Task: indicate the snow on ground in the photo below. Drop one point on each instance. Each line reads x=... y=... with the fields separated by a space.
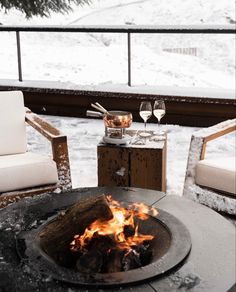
x=84 y=135
x=90 y=59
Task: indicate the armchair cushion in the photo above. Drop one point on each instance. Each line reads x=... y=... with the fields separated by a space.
x=218 y=174
x=26 y=170
x=12 y=121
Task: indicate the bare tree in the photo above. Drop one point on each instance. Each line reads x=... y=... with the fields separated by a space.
x=40 y=7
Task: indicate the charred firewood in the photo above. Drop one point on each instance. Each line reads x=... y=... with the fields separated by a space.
x=131 y=260
x=129 y=230
x=55 y=238
x=114 y=261
x=90 y=262
x=102 y=243
x=146 y=257
x=145 y=253
x=69 y=258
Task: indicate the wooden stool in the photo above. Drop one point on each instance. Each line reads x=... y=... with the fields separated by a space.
x=142 y=166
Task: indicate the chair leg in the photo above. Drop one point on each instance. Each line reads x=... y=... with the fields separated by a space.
x=61 y=157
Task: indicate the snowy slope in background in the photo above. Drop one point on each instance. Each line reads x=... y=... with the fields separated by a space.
x=137 y=12
x=101 y=58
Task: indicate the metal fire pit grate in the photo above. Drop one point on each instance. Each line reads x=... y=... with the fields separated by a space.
x=171 y=245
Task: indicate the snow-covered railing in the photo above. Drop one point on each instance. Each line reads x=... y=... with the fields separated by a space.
x=127 y=29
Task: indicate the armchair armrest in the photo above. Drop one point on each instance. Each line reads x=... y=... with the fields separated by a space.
x=59 y=147
x=43 y=127
x=197 y=147
x=214 y=132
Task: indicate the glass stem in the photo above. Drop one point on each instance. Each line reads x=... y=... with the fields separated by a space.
x=145 y=123
x=159 y=122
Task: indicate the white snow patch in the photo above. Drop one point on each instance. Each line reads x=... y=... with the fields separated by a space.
x=212 y=199
x=84 y=135
x=121 y=171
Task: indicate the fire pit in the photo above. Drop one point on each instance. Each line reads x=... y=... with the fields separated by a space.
x=212 y=251
x=148 y=244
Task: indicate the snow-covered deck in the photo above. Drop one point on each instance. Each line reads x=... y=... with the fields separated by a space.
x=176 y=91
x=84 y=134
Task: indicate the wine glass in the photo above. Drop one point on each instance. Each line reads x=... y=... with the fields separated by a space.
x=159 y=110
x=145 y=112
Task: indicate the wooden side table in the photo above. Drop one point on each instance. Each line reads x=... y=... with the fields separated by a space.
x=142 y=166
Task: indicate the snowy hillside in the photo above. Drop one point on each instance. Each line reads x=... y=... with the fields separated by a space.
x=86 y=58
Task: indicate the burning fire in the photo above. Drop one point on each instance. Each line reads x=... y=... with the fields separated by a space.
x=121 y=227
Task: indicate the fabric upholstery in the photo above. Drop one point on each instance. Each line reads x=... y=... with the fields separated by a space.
x=26 y=170
x=12 y=121
x=218 y=174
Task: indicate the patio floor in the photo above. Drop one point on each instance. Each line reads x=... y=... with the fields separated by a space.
x=84 y=135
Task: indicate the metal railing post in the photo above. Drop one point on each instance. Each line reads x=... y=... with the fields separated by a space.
x=129 y=58
x=19 y=55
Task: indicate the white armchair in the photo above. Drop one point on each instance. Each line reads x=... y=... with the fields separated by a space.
x=23 y=173
x=211 y=182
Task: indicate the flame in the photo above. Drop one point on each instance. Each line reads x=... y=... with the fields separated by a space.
x=122 y=218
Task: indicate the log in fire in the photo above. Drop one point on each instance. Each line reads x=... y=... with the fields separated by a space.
x=99 y=235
